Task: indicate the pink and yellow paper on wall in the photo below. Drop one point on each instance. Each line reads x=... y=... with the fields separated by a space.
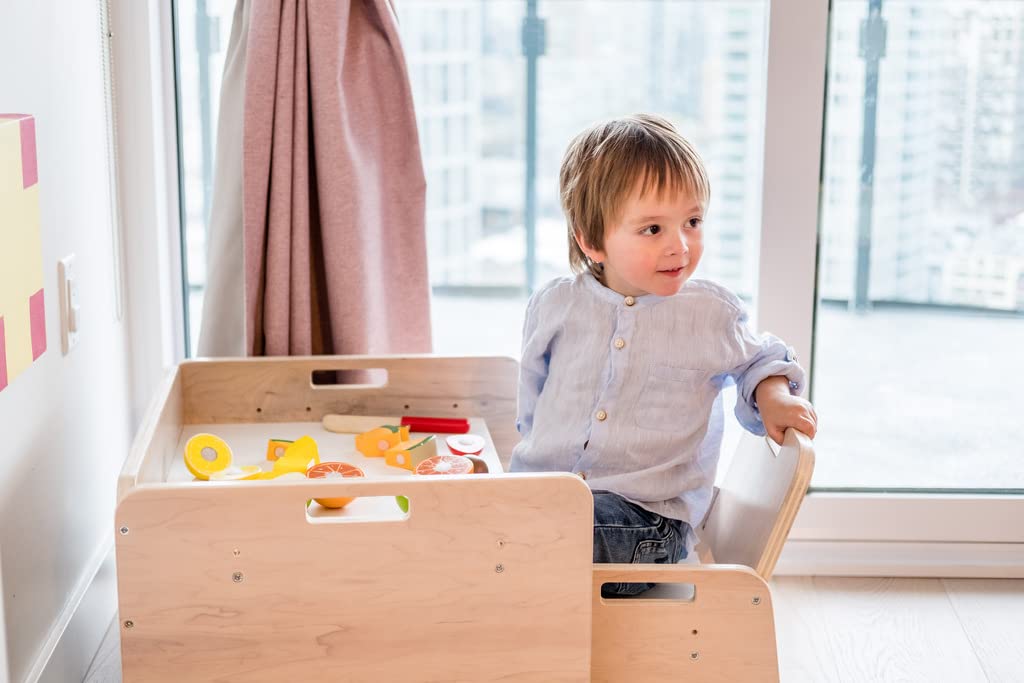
x=22 y=316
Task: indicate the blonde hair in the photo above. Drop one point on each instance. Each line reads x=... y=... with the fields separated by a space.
x=603 y=165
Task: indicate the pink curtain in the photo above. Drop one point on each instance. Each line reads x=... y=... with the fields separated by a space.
x=334 y=192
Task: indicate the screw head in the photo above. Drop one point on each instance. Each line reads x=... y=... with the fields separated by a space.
x=129 y=623
x=236 y=552
x=694 y=656
x=124 y=531
x=237 y=577
x=756 y=600
x=499 y=568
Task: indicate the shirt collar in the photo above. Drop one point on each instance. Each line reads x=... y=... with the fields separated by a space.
x=593 y=285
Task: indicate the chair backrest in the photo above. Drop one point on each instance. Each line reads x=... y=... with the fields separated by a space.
x=758 y=500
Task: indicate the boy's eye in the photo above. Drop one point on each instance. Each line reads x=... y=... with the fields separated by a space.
x=651 y=230
x=695 y=222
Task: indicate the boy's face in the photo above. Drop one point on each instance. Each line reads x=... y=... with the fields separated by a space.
x=654 y=246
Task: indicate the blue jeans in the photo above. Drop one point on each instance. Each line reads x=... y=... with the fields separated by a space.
x=627 y=533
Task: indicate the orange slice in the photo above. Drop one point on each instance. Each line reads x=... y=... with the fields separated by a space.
x=333 y=470
x=445 y=464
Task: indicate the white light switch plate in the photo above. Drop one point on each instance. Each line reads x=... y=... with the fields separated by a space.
x=70 y=317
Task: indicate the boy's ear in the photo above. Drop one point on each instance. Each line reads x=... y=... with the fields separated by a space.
x=595 y=255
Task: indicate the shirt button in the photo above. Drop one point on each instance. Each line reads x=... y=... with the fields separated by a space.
x=601 y=416
x=630 y=301
x=620 y=343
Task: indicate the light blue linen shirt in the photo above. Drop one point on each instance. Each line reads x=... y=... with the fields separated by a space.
x=627 y=391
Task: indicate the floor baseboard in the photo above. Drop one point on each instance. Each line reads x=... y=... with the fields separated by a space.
x=902 y=559
x=79 y=630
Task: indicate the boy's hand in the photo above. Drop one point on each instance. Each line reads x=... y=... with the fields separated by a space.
x=780 y=410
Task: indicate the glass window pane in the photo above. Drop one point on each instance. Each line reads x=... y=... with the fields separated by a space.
x=203 y=28
x=921 y=271
x=701 y=64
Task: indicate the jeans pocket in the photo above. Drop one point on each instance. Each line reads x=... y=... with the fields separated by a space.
x=664 y=550
x=667 y=548
x=651 y=552
x=665 y=393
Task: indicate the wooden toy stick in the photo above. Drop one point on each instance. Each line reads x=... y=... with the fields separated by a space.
x=357 y=424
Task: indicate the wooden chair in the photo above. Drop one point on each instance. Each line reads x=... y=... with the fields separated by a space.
x=714 y=621
x=711 y=621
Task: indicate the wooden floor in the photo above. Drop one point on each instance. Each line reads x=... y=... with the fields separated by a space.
x=870 y=630
x=846 y=629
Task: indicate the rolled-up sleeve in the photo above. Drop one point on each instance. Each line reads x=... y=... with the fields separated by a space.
x=533 y=367
x=755 y=357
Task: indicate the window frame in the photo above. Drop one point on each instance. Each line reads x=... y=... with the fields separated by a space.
x=860 y=533
x=143 y=62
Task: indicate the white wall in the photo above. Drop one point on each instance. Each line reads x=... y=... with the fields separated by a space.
x=65 y=423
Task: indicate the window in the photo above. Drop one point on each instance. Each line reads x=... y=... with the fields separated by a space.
x=942 y=281
x=919 y=329
x=202 y=28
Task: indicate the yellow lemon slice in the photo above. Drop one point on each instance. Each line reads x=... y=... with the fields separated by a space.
x=206 y=454
x=281 y=474
x=286 y=464
x=303 y=450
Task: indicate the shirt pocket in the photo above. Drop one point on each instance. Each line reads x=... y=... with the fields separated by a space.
x=665 y=396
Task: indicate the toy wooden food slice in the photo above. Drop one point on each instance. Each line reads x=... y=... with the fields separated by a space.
x=376 y=442
x=439 y=464
x=333 y=470
x=277 y=447
x=409 y=454
x=298 y=457
x=479 y=464
x=206 y=454
x=287 y=466
x=445 y=464
x=302 y=450
x=465 y=444
x=234 y=473
x=356 y=424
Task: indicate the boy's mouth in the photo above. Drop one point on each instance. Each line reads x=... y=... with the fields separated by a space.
x=672 y=271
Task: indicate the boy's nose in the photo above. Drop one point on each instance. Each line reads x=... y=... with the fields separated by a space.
x=677 y=245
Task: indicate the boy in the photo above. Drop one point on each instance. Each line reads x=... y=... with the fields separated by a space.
x=623 y=364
